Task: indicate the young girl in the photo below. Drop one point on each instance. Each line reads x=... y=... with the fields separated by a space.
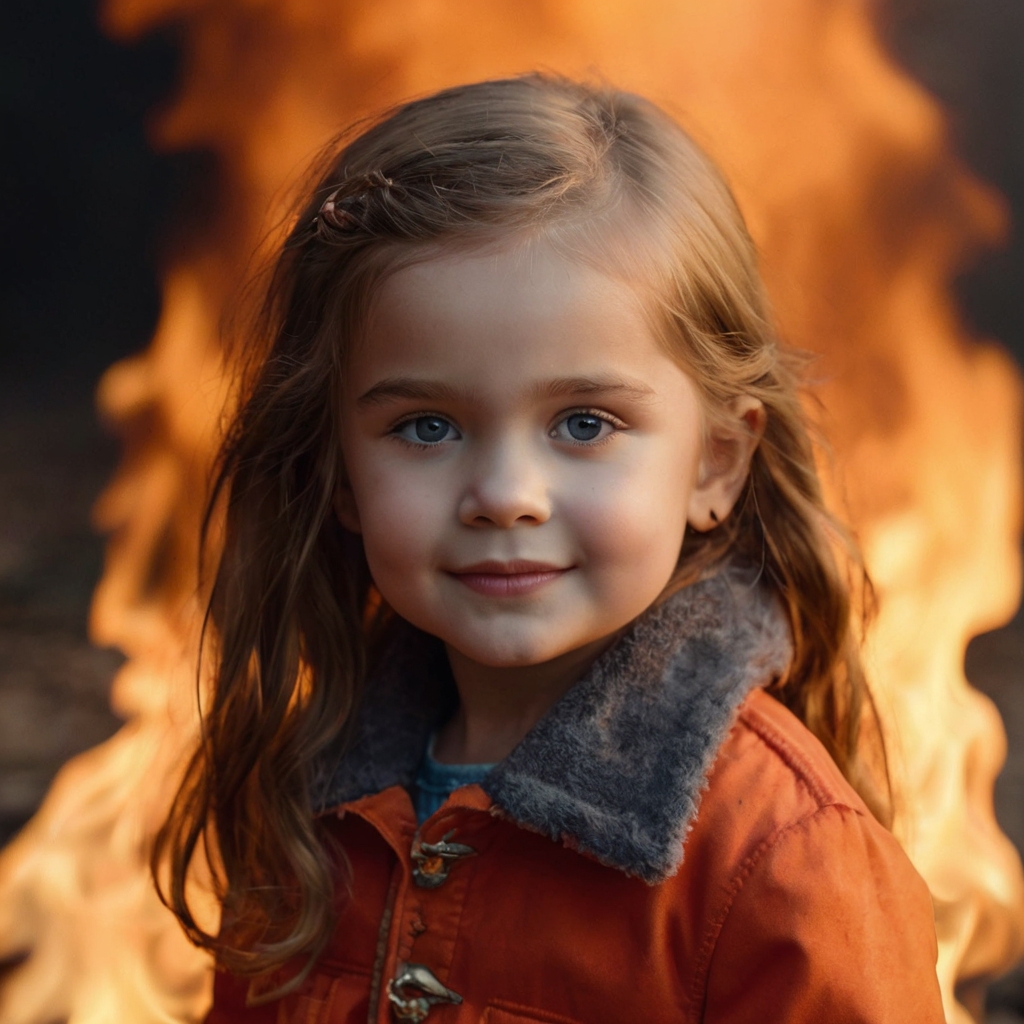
x=535 y=697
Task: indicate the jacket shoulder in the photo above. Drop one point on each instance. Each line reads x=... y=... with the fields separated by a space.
x=788 y=746
x=770 y=773
x=774 y=758
x=818 y=912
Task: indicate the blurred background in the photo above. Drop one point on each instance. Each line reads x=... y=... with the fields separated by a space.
x=90 y=213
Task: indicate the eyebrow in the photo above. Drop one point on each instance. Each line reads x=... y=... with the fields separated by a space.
x=393 y=389
x=602 y=384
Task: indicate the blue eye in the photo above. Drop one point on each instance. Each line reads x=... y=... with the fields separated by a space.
x=581 y=427
x=427 y=430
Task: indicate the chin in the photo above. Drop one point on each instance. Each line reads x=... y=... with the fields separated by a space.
x=506 y=651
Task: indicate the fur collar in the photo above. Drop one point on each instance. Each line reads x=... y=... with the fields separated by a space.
x=618 y=764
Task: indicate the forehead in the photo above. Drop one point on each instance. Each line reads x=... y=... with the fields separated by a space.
x=508 y=316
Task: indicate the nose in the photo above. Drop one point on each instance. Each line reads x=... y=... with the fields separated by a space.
x=507 y=487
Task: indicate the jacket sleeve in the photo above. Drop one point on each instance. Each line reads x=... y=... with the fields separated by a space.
x=828 y=922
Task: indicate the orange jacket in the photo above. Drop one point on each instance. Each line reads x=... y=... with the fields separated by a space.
x=579 y=885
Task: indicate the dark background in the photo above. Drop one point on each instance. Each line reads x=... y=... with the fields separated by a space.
x=85 y=213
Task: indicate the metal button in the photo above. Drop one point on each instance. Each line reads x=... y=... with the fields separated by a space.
x=406 y=1004
x=434 y=860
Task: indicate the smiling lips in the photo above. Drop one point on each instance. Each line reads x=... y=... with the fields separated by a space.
x=508 y=579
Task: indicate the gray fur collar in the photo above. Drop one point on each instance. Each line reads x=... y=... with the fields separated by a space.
x=618 y=764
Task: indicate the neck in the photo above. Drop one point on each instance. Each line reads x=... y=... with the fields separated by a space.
x=498 y=706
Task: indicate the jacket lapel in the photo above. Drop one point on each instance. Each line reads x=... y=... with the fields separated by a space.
x=618 y=764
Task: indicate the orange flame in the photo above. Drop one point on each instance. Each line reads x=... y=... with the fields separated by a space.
x=863 y=215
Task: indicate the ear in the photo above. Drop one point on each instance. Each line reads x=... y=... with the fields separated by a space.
x=725 y=464
x=345 y=507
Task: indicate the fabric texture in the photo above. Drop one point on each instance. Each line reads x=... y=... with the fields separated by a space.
x=436 y=781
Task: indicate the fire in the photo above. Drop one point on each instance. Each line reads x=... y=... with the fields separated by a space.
x=863 y=215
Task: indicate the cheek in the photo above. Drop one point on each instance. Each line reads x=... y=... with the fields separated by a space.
x=401 y=514
x=635 y=522
x=629 y=532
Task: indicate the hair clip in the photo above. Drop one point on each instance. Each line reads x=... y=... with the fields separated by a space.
x=329 y=210
x=345 y=207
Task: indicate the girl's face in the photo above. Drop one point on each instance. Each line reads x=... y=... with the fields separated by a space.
x=522 y=456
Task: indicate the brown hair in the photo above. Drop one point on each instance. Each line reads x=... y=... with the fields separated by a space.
x=608 y=178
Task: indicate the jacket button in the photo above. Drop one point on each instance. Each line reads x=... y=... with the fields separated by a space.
x=411 y=979
x=434 y=860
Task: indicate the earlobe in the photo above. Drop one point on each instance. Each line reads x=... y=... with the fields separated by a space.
x=345 y=508
x=725 y=464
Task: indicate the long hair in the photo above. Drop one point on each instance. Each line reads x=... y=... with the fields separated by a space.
x=607 y=178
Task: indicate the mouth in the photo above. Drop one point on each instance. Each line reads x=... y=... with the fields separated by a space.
x=508 y=579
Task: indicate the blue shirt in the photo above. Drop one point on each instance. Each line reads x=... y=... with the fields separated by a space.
x=435 y=781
